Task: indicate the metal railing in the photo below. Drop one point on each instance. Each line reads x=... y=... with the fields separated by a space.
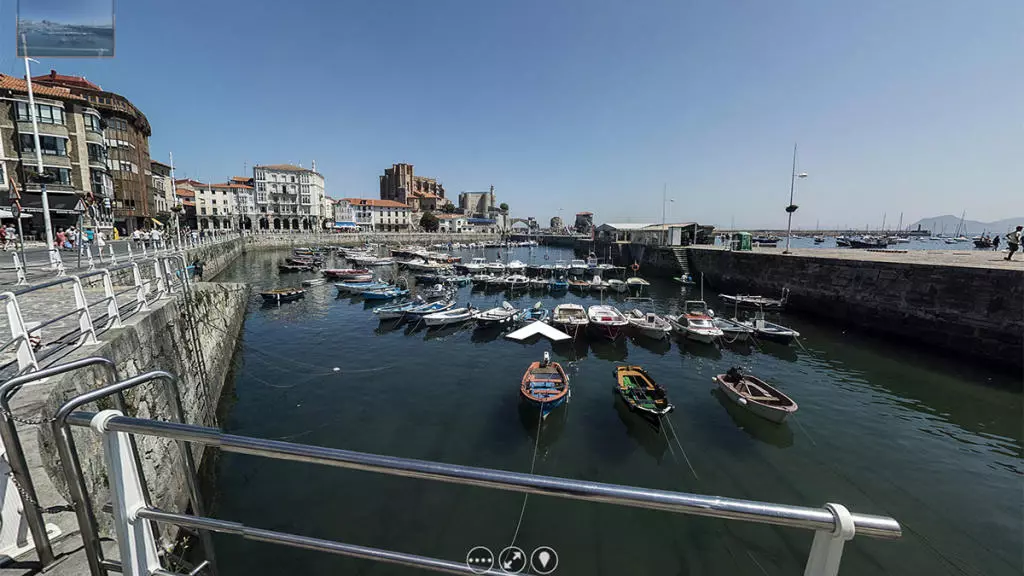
x=833 y=525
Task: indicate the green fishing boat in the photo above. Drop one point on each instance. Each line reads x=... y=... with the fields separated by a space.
x=641 y=393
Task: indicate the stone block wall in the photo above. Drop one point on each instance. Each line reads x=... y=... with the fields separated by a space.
x=193 y=339
x=969 y=311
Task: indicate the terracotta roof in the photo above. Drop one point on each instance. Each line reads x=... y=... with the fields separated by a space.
x=375 y=202
x=240 y=179
x=78 y=81
x=285 y=167
x=190 y=182
x=19 y=85
x=185 y=193
x=232 y=185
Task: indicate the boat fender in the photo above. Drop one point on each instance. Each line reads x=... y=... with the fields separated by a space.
x=742 y=401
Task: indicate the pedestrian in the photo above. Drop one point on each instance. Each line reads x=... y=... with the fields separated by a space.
x=101 y=240
x=155 y=237
x=61 y=238
x=3 y=237
x=1013 y=241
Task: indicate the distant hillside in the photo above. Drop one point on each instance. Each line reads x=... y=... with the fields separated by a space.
x=950 y=222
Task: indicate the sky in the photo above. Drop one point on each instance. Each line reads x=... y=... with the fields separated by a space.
x=89 y=12
x=909 y=107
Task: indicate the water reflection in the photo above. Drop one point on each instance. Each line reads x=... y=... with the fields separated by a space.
x=780 y=351
x=659 y=347
x=647 y=433
x=699 y=349
x=779 y=435
x=613 y=351
x=550 y=428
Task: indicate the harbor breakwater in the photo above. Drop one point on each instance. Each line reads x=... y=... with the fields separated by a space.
x=973 y=311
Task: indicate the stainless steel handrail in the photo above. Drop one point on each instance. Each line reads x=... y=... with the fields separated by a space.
x=696 y=504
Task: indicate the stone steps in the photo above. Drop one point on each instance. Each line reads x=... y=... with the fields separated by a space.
x=683 y=257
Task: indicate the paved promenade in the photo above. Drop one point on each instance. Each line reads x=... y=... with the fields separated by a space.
x=968 y=257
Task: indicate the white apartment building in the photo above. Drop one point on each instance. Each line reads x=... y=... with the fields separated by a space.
x=289 y=197
x=454 y=223
x=380 y=215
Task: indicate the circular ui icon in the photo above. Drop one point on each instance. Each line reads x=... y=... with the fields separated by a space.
x=512 y=560
x=480 y=559
x=544 y=560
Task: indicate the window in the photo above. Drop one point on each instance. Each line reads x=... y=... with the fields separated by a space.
x=97 y=153
x=46 y=114
x=202 y=211
x=127 y=167
x=92 y=123
x=59 y=175
x=214 y=211
x=214 y=201
x=293 y=179
x=117 y=124
x=50 y=145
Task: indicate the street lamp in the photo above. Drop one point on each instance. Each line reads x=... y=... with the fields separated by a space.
x=792 y=207
x=41 y=178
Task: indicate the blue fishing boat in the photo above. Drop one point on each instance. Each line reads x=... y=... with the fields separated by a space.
x=392 y=311
x=536 y=314
x=559 y=285
x=545 y=386
x=356 y=287
x=385 y=293
x=431 y=308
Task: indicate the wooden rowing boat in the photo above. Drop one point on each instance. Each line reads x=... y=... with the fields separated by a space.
x=641 y=393
x=756 y=395
x=545 y=386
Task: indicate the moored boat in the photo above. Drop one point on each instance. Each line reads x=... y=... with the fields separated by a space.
x=636 y=286
x=385 y=293
x=641 y=393
x=545 y=386
x=578 y=267
x=753 y=301
x=282 y=295
x=616 y=285
x=580 y=285
x=606 y=321
x=423 y=309
x=695 y=323
x=504 y=314
x=558 y=285
x=294 y=268
x=648 y=324
x=449 y=317
x=569 y=318
x=536 y=314
x=399 y=310
x=733 y=330
x=517 y=282
x=345 y=273
x=756 y=395
x=771 y=331
x=538 y=284
x=354 y=287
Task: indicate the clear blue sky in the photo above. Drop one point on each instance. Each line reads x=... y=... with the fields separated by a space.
x=911 y=106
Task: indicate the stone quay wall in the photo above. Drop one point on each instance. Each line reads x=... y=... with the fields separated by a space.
x=193 y=338
x=971 y=311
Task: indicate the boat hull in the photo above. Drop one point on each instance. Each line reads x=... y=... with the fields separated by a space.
x=769 y=413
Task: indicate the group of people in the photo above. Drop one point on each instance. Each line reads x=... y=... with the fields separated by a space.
x=148 y=238
x=8 y=237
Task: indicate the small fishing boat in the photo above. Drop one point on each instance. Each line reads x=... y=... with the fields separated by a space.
x=516 y=267
x=569 y=318
x=461 y=280
x=842 y=242
x=476 y=265
x=517 y=282
x=345 y=273
x=285 y=268
x=765 y=240
x=392 y=311
x=606 y=321
x=695 y=323
x=538 y=284
x=578 y=267
x=641 y=393
x=560 y=266
x=422 y=265
x=435 y=307
x=649 y=324
x=282 y=295
x=355 y=287
x=480 y=280
x=504 y=314
x=760 y=302
x=303 y=261
x=597 y=284
x=434 y=292
x=385 y=293
x=449 y=317
x=685 y=279
x=636 y=286
x=545 y=386
x=495 y=267
x=982 y=242
x=580 y=285
x=819 y=239
x=733 y=330
x=536 y=314
x=868 y=241
x=756 y=395
x=496 y=282
x=314 y=282
x=616 y=285
x=771 y=331
x=558 y=285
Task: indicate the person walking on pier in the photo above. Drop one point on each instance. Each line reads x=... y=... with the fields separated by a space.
x=995 y=243
x=1013 y=241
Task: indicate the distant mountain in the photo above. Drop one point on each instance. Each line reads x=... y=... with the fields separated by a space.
x=949 y=224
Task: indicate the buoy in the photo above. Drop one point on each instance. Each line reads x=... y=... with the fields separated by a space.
x=336 y=369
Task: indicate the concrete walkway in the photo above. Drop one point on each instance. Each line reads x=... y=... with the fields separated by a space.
x=963 y=257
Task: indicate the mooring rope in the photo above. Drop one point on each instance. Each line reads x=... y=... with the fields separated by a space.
x=533 y=463
x=680 y=445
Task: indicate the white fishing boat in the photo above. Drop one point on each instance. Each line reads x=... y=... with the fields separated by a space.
x=636 y=286
x=504 y=314
x=597 y=284
x=560 y=266
x=449 y=317
x=480 y=280
x=569 y=318
x=756 y=395
x=649 y=324
x=695 y=323
x=422 y=265
x=497 y=281
x=771 y=331
x=606 y=321
x=434 y=292
x=496 y=267
x=733 y=330
x=517 y=282
x=578 y=267
x=616 y=285
x=516 y=267
x=476 y=265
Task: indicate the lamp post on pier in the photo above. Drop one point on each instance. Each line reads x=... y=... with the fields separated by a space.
x=792 y=207
x=41 y=177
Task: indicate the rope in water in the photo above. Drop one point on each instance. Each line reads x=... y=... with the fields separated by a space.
x=533 y=464
x=680 y=445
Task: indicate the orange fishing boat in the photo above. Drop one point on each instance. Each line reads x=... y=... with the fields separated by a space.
x=545 y=385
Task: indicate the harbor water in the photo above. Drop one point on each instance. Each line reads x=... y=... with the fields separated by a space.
x=883 y=428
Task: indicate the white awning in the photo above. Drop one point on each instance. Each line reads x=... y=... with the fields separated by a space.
x=5 y=213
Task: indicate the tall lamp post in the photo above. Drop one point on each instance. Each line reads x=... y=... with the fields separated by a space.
x=664 y=201
x=792 y=207
x=41 y=176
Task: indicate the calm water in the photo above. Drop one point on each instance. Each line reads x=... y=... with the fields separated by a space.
x=881 y=429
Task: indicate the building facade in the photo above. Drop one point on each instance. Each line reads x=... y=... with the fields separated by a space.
x=126 y=130
x=161 y=189
x=74 y=153
x=380 y=215
x=401 y=185
x=556 y=223
x=584 y=222
x=289 y=197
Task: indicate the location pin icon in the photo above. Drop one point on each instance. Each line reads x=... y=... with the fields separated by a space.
x=544 y=557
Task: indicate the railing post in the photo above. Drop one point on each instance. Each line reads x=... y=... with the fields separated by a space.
x=113 y=313
x=131 y=256
x=20 y=332
x=20 y=267
x=827 y=548
x=59 y=262
x=140 y=289
x=15 y=538
x=88 y=255
x=84 y=317
x=113 y=258
x=160 y=277
x=135 y=538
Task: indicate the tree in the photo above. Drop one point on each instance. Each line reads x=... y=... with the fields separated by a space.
x=504 y=207
x=448 y=208
x=429 y=222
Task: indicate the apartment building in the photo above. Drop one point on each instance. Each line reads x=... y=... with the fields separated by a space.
x=289 y=197
x=380 y=215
